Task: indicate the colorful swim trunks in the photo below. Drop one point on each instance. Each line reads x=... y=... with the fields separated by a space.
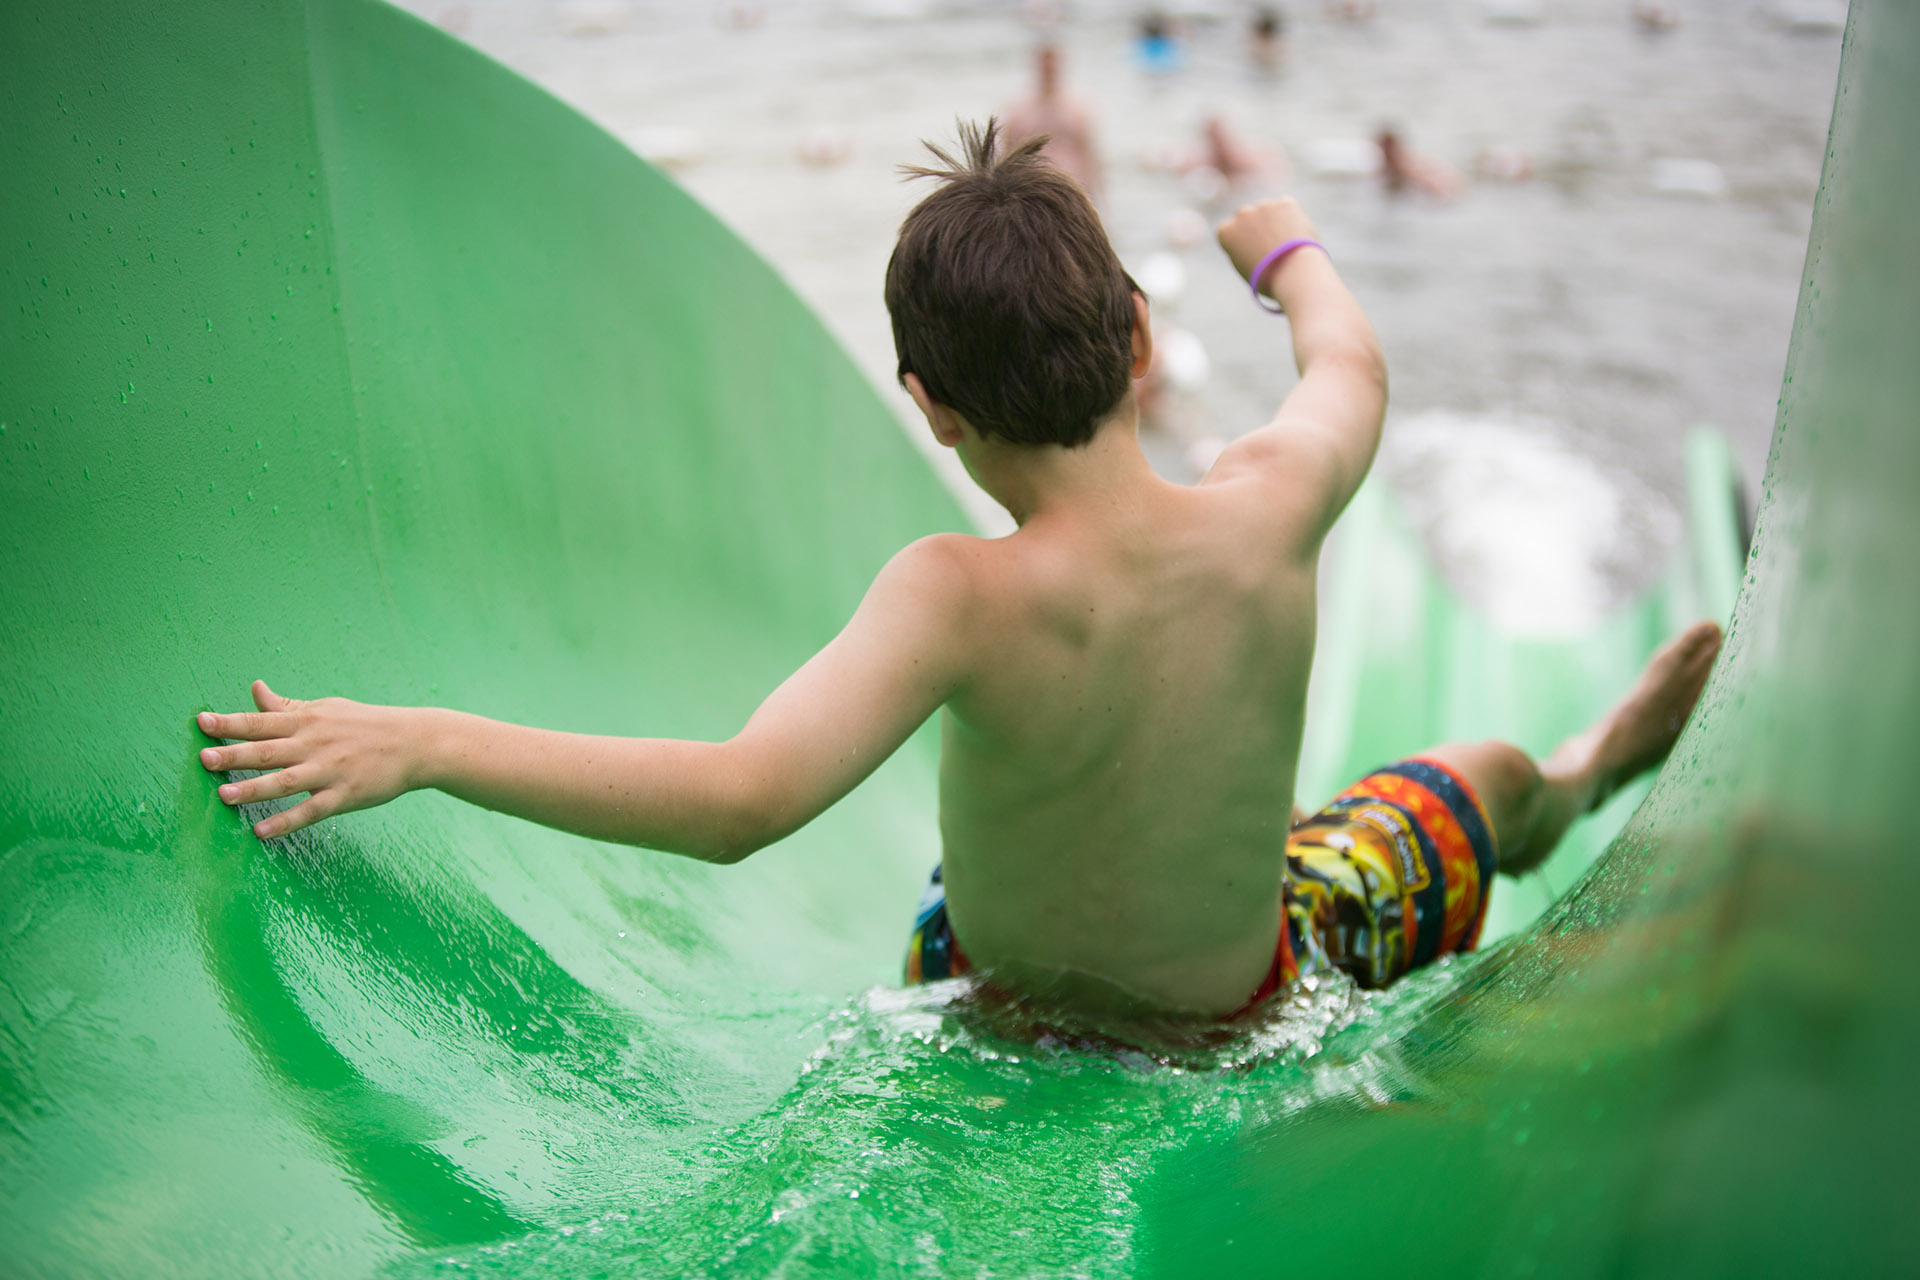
x=932 y=953
x=1392 y=875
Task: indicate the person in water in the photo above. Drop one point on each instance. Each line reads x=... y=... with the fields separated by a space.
x=1267 y=37
x=1061 y=121
x=1122 y=680
x=1402 y=170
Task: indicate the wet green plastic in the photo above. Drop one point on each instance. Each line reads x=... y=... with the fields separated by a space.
x=332 y=353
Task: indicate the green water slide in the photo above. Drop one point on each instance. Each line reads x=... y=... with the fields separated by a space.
x=331 y=352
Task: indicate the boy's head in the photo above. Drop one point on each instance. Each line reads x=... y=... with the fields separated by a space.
x=1007 y=301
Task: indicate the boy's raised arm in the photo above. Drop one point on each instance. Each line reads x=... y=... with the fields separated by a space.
x=1327 y=430
x=813 y=740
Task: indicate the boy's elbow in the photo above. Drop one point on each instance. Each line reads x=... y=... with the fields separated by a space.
x=756 y=798
x=736 y=840
x=725 y=855
x=1376 y=367
x=1361 y=360
x=751 y=820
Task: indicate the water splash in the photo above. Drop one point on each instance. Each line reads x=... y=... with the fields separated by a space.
x=929 y=1111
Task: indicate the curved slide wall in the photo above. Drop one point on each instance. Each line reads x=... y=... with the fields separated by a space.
x=332 y=353
x=335 y=354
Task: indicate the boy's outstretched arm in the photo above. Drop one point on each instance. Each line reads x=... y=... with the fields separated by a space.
x=1323 y=438
x=813 y=740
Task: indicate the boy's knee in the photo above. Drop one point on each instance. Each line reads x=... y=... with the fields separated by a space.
x=1513 y=771
x=1506 y=776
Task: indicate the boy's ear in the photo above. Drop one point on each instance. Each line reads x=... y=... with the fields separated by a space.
x=1142 y=337
x=945 y=425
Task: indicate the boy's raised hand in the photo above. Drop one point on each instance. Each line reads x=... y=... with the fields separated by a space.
x=1320 y=444
x=1256 y=228
x=347 y=755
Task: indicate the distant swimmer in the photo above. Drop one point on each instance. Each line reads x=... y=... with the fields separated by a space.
x=1651 y=15
x=1226 y=165
x=1157 y=47
x=1063 y=119
x=1267 y=37
x=1352 y=10
x=1402 y=170
x=1242 y=163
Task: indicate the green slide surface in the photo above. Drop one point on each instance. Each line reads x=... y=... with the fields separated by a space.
x=333 y=353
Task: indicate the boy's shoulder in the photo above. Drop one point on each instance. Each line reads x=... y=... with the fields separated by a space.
x=947 y=558
x=941 y=570
x=1283 y=479
x=972 y=585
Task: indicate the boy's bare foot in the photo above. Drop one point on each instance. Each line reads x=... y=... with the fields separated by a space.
x=1642 y=727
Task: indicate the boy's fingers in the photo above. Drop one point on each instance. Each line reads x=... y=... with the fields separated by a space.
x=251 y=725
x=267 y=700
x=268 y=786
x=273 y=753
x=304 y=814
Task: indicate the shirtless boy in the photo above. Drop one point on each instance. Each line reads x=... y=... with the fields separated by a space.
x=1122 y=679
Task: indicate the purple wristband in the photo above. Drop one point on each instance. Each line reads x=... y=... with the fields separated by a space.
x=1266 y=264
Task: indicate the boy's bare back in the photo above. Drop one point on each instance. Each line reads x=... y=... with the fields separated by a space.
x=1117 y=775
x=1119 y=748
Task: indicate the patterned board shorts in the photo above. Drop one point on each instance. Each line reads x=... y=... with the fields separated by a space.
x=1391 y=875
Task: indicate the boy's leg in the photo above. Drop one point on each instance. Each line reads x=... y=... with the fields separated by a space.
x=1532 y=805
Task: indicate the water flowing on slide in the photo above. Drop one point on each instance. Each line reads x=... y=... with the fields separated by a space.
x=332 y=353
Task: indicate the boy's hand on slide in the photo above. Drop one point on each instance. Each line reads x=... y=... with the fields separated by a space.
x=347 y=755
x=1256 y=228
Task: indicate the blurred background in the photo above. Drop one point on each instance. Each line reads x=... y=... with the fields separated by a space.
x=1582 y=235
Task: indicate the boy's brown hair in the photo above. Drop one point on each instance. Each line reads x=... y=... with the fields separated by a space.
x=1007 y=301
